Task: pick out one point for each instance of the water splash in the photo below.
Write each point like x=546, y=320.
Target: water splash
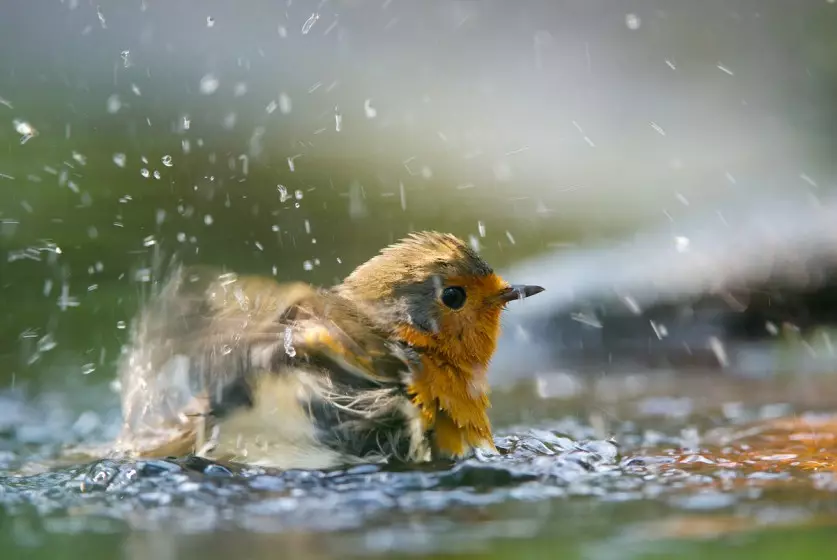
x=288, y=342
x=309, y=23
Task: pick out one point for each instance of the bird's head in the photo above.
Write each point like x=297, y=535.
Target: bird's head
x=437, y=294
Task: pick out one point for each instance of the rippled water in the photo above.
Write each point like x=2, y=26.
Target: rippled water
x=603, y=473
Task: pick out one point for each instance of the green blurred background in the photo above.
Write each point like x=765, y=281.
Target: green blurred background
x=300, y=137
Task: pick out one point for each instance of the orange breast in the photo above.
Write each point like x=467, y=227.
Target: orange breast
x=454, y=402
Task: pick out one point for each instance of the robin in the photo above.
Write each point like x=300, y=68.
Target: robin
x=388, y=365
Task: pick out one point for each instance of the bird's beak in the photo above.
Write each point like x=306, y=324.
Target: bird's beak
x=518, y=291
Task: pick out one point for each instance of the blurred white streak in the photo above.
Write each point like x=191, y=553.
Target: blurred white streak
x=786, y=239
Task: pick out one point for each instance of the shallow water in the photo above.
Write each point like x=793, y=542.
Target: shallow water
x=623, y=466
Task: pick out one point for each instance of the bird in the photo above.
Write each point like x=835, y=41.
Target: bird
x=389, y=365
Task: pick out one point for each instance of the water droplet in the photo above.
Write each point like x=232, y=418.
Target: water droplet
x=119, y=159
x=87, y=369
x=114, y=104
x=65, y=300
x=307, y=265
x=369, y=110
x=298, y=194
x=288, y=340
x=283, y=193
x=284, y=103
x=309, y=23
x=166, y=159
x=46, y=343
x=135, y=88
x=209, y=84
x=633, y=21
x=120, y=325
x=145, y=172
x=474, y=242
x=725, y=70
x=208, y=220
x=142, y=275
x=156, y=174
x=271, y=107
x=26, y=130
x=805, y=177
x=181, y=237
x=210, y=21
x=481, y=228
x=126, y=58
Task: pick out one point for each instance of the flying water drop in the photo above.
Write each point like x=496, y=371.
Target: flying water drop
x=309, y=23
x=288, y=340
x=209, y=84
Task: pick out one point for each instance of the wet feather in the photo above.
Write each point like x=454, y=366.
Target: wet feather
x=205, y=352
x=289, y=375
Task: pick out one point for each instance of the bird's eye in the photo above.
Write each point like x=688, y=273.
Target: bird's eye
x=453, y=297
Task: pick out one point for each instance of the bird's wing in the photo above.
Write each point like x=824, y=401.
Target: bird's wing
x=197, y=345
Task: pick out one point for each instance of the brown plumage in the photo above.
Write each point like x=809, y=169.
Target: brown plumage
x=389, y=364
